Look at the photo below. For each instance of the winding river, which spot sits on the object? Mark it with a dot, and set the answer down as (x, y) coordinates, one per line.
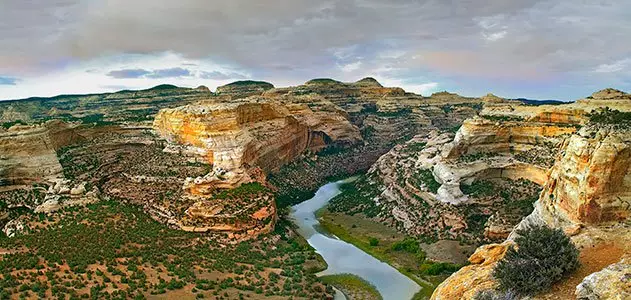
(343, 257)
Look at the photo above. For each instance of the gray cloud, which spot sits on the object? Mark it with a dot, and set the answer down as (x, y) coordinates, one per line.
(142, 73)
(8, 80)
(473, 44)
(216, 75)
(128, 73)
(169, 73)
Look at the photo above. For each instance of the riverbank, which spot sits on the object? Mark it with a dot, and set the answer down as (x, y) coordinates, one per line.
(380, 241)
(343, 257)
(353, 286)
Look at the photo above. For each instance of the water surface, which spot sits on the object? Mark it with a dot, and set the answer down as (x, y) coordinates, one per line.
(343, 257)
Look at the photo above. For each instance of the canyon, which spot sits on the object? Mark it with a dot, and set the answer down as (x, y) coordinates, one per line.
(585, 193)
(438, 169)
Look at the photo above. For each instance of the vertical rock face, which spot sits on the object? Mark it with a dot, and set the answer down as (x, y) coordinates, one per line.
(234, 137)
(591, 182)
(587, 193)
(28, 153)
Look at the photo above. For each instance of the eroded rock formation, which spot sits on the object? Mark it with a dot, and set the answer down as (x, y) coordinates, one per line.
(234, 137)
(28, 152)
(586, 193)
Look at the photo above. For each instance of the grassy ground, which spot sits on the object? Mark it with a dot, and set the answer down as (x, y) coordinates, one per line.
(353, 286)
(379, 240)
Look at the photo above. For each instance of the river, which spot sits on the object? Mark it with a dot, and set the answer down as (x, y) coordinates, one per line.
(343, 257)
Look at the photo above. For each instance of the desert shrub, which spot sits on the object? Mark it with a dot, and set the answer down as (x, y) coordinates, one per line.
(542, 257)
(409, 245)
(610, 116)
(426, 177)
(495, 295)
(437, 268)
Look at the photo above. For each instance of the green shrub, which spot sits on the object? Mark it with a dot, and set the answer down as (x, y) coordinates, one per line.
(610, 116)
(437, 268)
(426, 177)
(409, 245)
(542, 257)
(373, 241)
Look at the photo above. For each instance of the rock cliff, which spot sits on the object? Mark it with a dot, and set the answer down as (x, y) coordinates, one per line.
(586, 191)
(28, 152)
(233, 137)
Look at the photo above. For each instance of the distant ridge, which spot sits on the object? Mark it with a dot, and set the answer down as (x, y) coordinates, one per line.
(161, 87)
(542, 102)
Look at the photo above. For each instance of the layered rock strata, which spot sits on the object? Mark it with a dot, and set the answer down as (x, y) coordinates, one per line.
(234, 137)
(586, 194)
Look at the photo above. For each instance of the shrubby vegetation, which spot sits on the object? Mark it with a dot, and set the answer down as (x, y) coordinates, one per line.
(356, 197)
(398, 113)
(467, 158)
(426, 178)
(353, 286)
(111, 250)
(503, 118)
(7, 125)
(542, 257)
(611, 117)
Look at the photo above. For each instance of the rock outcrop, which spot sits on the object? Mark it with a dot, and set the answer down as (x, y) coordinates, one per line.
(474, 277)
(233, 137)
(591, 182)
(28, 152)
(587, 191)
(613, 282)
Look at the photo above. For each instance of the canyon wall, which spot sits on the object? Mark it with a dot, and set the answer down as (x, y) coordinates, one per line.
(28, 152)
(234, 137)
(587, 192)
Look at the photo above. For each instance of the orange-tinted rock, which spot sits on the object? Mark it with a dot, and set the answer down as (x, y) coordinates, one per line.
(235, 137)
(591, 182)
(475, 277)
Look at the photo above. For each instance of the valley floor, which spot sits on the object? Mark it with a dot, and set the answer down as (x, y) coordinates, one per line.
(111, 250)
(396, 249)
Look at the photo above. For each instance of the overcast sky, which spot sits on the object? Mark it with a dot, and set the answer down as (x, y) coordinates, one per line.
(521, 48)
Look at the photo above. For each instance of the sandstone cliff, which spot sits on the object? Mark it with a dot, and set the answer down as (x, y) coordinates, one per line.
(586, 193)
(28, 153)
(234, 137)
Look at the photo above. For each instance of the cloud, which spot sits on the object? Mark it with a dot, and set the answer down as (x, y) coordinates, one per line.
(128, 73)
(116, 88)
(526, 43)
(494, 36)
(351, 66)
(169, 73)
(142, 73)
(216, 75)
(8, 80)
(614, 67)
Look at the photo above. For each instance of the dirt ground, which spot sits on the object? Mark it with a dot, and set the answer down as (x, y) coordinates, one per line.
(593, 259)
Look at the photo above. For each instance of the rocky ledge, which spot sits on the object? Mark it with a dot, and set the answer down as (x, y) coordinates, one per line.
(236, 137)
(586, 193)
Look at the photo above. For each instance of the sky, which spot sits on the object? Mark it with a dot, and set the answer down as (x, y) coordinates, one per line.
(521, 48)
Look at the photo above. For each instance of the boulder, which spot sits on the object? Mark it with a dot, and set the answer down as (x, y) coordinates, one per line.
(613, 282)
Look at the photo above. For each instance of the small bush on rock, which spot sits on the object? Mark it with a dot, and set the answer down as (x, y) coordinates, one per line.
(542, 257)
